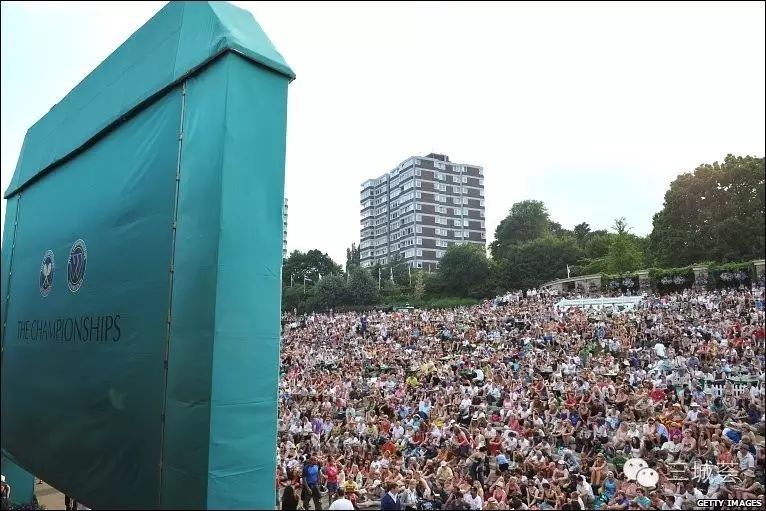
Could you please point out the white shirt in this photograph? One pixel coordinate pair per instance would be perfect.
(475, 503)
(746, 462)
(342, 503)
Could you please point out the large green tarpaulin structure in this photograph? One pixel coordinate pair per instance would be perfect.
(141, 269)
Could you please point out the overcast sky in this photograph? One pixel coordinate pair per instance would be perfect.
(591, 107)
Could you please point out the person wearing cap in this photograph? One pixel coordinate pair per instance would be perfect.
(444, 473)
(745, 458)
(748, 488)
(692, 414)
(5, 492)
(598, 471)
(585, 492)
(560, 476)
(473, 499)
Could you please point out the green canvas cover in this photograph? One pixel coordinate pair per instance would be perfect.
(141, 273)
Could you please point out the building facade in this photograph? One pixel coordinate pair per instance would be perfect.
(419, 209)
(284, 230)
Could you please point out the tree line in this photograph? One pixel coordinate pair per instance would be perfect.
(714, 214)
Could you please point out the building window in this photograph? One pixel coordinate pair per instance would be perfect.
(420, 264)
(418, 207)
(419, 240)
(420, 253)
(417, 172)
(419, 229)
(456, 200)
(417, 194)
(465, 222)
(418, 183)
(481, 203)
(440, 176)
(465, 179)
(419, 217)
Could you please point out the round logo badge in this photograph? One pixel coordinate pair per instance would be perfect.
(47, 267)
(75, 268)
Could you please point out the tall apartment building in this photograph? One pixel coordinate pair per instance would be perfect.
(419, 209)
(284, 230)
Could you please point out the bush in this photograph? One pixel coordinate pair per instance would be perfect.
(449, 303)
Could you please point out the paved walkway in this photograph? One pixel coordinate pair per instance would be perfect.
(49, 497)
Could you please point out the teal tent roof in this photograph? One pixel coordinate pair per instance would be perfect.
(178, 40)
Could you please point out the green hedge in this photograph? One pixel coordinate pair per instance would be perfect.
(607, 282)
(656, 276)
(735, 271)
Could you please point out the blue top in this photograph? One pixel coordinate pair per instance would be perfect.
(311, 474)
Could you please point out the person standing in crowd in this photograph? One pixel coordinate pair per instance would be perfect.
(390, 499)
(311, 474)
(5, 493)
(289, 499)
(341, 503)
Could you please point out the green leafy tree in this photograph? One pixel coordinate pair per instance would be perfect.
(362, 288)
(715, 213)
(399, 268)
(528, 220)
(420, 286)
(310, 264)
(464, 270)
(555, 229)
(330, 292)
(624, 255)
(353, 257)
(620, 226)
(581, 232)
(293, 298)
(535, 262)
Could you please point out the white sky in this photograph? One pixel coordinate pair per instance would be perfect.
(591, 107)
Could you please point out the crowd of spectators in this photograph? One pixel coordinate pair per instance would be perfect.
(518, 403)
